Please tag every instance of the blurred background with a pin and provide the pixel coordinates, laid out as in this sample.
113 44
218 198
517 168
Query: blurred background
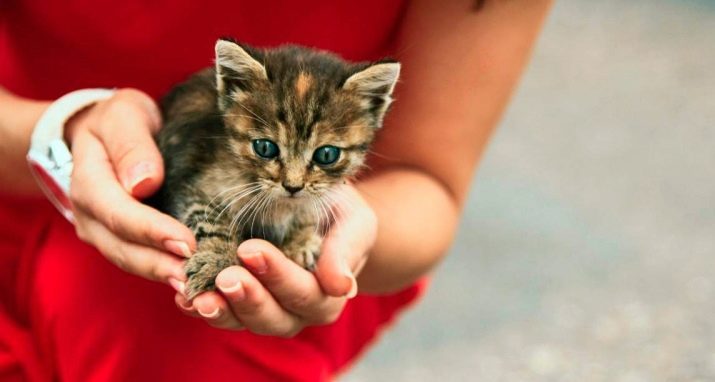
587 250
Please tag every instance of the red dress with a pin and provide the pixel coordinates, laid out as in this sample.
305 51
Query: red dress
68 314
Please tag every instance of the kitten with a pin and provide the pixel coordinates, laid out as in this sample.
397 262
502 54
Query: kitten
254 147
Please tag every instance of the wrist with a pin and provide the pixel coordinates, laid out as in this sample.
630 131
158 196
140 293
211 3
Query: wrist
49 157
413 236
18 116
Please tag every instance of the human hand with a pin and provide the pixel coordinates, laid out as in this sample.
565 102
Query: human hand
271 295
116 161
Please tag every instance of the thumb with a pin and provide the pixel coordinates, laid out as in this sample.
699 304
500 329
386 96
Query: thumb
126 130
333 272
345 248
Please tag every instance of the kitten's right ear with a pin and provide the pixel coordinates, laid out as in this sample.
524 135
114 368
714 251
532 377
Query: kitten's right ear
236 69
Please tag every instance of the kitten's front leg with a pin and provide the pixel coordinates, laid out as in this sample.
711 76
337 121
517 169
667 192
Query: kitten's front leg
302 245
216 249
213 256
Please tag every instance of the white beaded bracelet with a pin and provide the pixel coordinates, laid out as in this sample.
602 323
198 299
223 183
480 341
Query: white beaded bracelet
49 157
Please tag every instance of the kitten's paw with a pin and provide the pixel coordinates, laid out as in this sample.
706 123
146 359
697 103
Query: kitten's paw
201 270
305 254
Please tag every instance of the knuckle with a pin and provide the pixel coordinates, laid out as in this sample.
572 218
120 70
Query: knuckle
79 203
81 231
276 328
272 278
123 150
288 333
251 307
119 105
129 93
75 194
236 326
140 102
119 258
113 220
299 300
328 317
146 232
224 321
77 176
331 317
154 270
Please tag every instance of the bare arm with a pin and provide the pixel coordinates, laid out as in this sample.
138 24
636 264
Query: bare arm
460 67
17 118
109 140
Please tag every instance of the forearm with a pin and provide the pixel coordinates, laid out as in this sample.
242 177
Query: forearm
460 68
17 119
417 219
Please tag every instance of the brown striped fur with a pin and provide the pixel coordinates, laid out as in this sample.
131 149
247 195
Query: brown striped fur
298 98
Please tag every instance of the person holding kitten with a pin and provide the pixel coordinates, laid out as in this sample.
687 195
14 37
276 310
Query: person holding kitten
67 313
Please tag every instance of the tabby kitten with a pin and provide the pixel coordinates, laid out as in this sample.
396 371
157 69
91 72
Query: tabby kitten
255 147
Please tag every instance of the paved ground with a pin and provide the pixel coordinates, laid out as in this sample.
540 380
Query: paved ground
587 251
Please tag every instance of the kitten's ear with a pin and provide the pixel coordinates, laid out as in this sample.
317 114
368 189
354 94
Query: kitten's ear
236 69
375 83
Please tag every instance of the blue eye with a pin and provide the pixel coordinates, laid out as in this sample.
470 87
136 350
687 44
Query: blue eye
265 149
326 155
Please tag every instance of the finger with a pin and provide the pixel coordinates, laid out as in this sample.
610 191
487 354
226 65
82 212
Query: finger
126 129
133 258
293 287
95 190
185 306
258 310
215 311
333 273
345 248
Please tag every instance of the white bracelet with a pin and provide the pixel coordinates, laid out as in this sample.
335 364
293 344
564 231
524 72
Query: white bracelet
49 157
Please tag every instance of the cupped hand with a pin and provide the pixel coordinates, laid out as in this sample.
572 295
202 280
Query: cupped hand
117 161
271 295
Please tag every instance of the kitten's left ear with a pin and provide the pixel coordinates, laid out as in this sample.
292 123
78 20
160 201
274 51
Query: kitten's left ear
236 69
375 83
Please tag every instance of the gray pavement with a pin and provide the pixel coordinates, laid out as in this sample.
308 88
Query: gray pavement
587 250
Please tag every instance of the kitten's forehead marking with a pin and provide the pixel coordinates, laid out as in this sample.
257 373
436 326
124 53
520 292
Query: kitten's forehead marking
302 83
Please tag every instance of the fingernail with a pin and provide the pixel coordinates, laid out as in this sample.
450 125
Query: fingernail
178 286
230 285
187 305
235 291
353 288
177 247
348 273
214 314
255 262
138 174
344 267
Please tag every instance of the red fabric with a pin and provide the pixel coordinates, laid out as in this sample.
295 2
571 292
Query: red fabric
68 314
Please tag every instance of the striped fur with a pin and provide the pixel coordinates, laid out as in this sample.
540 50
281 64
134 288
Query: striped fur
298 98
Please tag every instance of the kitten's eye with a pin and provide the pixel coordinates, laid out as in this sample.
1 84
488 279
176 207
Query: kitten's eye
326 155
265 149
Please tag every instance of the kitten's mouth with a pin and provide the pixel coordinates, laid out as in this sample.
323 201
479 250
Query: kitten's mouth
293 197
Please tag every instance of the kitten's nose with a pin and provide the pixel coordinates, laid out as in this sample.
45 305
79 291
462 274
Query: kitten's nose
293 189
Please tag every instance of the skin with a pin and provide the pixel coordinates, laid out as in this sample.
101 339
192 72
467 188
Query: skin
459 70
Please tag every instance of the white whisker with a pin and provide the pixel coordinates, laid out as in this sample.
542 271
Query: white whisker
236 221
241 195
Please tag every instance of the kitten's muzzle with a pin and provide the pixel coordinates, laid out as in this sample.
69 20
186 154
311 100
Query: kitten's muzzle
293 189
